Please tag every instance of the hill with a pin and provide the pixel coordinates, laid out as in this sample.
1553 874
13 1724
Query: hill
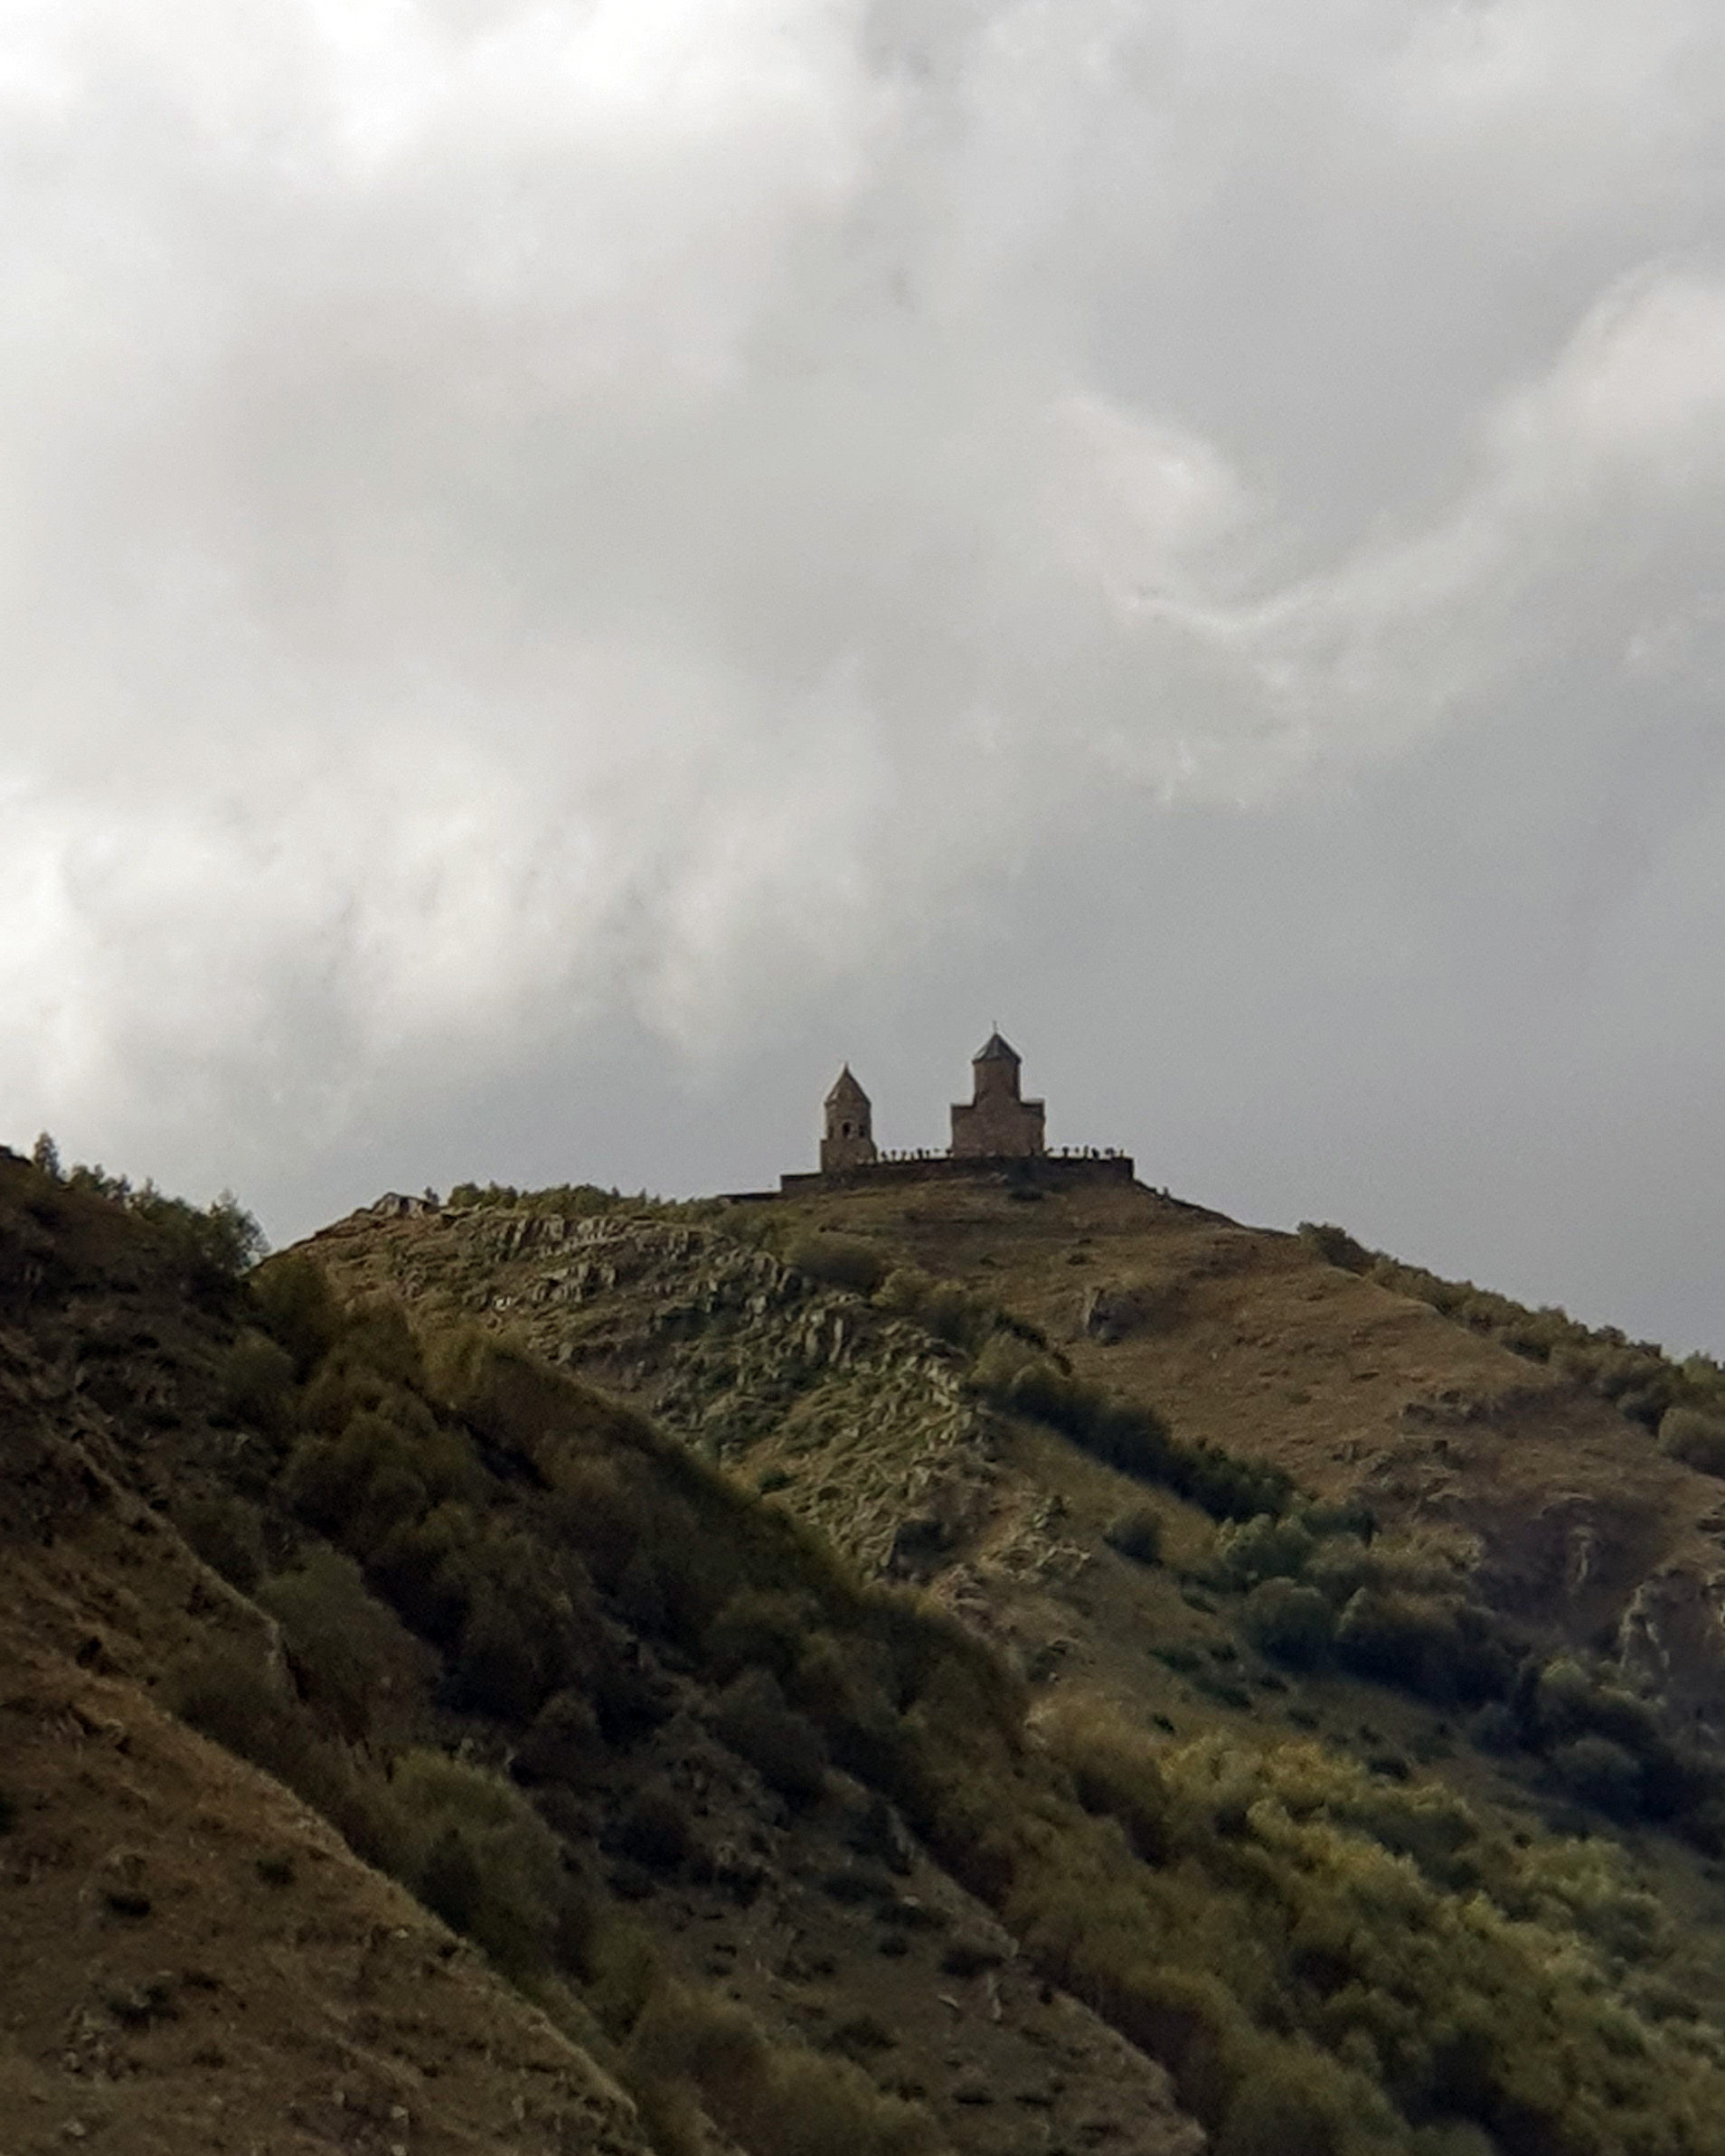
887 1670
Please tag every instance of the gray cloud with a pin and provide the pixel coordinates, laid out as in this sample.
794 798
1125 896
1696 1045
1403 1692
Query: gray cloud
565 565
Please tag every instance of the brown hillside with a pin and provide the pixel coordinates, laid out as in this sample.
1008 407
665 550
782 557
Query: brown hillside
1566 1514
195 1959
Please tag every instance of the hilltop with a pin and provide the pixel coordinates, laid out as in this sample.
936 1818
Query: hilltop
941 1665
1561 1510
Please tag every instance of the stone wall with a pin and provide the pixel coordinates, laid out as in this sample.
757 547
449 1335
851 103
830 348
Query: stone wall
1042 1171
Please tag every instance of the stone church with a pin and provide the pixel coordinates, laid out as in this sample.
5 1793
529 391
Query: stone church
997 1122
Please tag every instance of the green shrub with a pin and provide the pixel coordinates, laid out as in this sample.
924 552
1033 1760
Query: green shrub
256 1384
1136 1533
428 1569
762 1627
1290 1623
354 1657
950 1311
1227 1485
1601 1773
1400 1639
691 2052
784 1747
482 1858
507 1666
604 1508
225 1690
838 1261
1116 1778
295 1305
655 1828
1335 1245
564 1744
1293 2102
227 1533
1698 1440
357 1486
1264 1548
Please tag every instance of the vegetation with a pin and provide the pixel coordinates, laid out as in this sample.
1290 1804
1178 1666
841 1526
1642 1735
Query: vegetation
212 1245
1136 1533
445 1534
689 2053
1637 1377
1325 1962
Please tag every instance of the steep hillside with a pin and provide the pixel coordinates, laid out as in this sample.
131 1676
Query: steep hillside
1358 1647
194 1959
1565 1516
698 1905
818 1680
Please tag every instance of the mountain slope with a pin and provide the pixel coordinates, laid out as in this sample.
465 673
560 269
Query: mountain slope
1565 1514
702 1902
923 1419
901 1739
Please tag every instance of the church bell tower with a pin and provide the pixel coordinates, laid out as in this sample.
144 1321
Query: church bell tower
847 1137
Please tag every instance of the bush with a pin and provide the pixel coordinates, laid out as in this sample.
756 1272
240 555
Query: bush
1601 1773
1290 1623
295 1305
481 1858
762 1626
654 1830
1136 1533
227 1533
256 1384
1696 1439
1294 2104
1264 1548
564 1744
357 1486
690 2053
354 1655
1400 1639
1116 1777
784 1747
1335 1245
1227 1486
838 1261
228 1692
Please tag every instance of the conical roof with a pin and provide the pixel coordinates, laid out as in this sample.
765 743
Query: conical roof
996 1050
845 1088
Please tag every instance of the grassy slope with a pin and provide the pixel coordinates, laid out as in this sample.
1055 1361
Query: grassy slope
275 1992
1248 1339
192 1959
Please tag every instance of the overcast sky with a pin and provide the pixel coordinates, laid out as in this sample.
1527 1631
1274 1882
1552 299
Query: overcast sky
566 567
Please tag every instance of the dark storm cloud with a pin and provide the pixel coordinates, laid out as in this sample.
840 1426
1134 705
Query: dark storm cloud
624 548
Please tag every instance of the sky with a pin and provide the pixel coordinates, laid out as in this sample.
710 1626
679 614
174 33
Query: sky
565 568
